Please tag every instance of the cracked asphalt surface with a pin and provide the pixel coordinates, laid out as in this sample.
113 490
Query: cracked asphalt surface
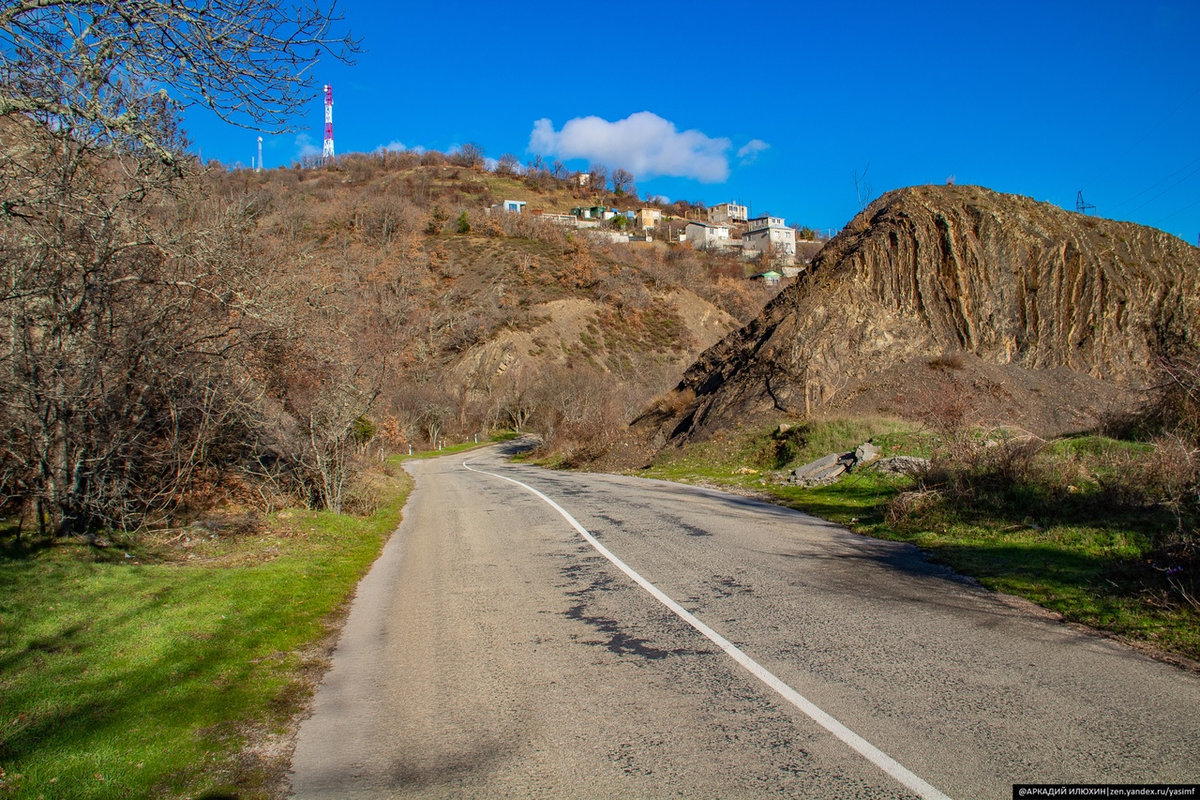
492 652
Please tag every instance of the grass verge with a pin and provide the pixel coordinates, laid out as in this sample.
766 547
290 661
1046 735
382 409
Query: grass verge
1069 533
144 669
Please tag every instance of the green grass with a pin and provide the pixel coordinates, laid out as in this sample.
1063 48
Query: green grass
140 671
1073 549
144 669
503 436
1093 575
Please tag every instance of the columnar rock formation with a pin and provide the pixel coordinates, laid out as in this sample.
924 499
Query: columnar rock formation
932 271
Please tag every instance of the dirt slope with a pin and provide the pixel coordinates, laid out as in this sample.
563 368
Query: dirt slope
1051 310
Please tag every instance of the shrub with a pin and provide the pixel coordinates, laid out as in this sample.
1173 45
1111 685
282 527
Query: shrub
948 361
1177 405
437 221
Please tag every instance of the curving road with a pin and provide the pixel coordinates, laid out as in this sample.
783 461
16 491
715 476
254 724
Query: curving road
494 651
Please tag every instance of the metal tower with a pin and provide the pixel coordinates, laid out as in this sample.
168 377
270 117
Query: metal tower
1080 206
327 153
259 155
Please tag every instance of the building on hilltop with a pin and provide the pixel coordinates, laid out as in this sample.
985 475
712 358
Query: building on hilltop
768 234
511 206
702 235
765 221
728 214
648 218
592 212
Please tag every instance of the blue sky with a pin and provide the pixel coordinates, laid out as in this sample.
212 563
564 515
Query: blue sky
778 105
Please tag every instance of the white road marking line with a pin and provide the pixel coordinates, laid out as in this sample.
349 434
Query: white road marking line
859 744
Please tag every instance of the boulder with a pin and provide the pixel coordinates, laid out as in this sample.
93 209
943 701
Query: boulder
902 465
829 468
865 453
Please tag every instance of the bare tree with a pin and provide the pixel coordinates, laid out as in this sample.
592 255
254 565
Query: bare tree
469 155
509 164
598 177
622 182
862 189
126 302
95 68
118 315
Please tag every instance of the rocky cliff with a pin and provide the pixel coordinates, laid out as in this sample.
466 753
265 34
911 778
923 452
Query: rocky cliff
1017 295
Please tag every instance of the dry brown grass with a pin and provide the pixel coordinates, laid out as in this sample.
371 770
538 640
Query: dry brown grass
955 361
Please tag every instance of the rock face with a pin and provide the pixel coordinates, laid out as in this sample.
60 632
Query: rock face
942 274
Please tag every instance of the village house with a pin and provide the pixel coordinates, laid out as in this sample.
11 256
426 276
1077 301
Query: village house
769 234
593 212
702 235
648 218
511 206
727 214
770 277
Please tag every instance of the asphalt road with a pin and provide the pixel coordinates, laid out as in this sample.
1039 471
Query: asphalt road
493 651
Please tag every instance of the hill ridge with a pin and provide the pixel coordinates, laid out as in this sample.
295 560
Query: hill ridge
930 270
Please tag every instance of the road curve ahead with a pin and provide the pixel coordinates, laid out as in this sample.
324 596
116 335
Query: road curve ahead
530 633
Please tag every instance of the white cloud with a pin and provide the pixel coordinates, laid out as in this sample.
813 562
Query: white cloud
397 146
304 146
750 150
643 143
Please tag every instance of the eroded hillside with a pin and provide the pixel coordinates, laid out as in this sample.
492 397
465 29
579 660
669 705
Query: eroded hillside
455 320
1039 316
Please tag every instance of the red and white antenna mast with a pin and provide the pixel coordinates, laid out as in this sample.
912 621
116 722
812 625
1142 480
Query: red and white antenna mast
327 153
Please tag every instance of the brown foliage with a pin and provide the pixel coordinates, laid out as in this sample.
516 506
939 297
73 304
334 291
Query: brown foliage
948 361
317 303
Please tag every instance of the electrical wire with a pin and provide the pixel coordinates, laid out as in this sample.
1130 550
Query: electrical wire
1153 187
1091 181
1164 191
1177 213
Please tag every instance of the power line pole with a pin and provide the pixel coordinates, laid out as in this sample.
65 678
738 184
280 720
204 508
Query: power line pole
1081 206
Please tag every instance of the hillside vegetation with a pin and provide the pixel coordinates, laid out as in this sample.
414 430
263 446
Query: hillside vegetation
179 339
466 320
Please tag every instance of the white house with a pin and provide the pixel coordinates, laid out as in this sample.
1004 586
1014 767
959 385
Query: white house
701 234
727 214
511 206
758 223
770 234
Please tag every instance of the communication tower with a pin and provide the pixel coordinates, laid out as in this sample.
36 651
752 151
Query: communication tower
327 152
